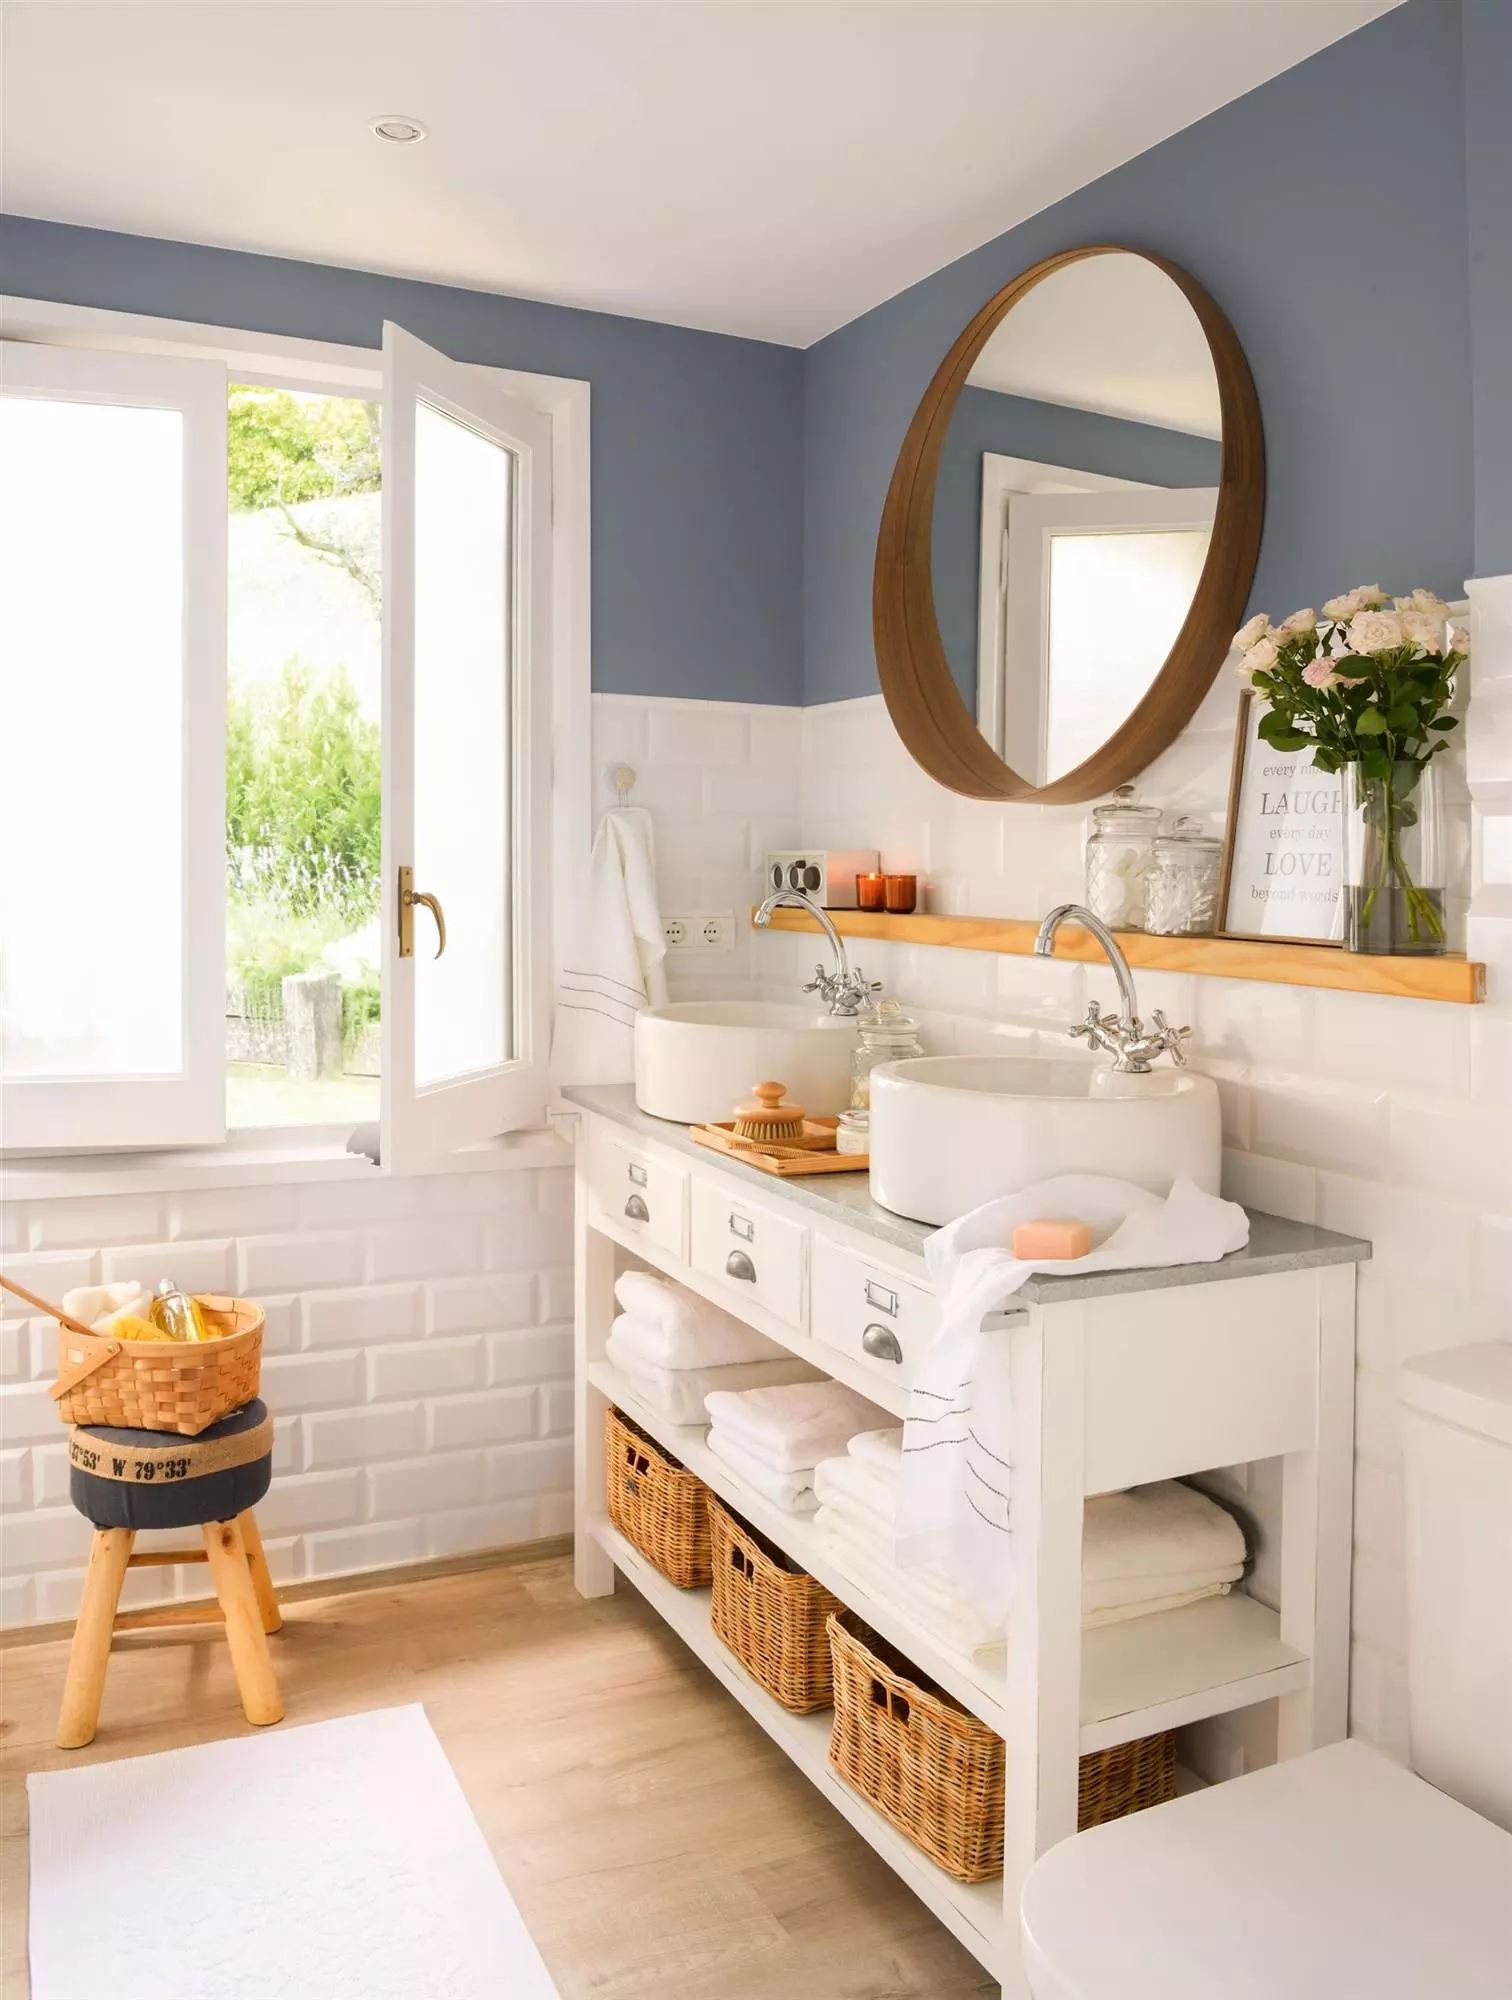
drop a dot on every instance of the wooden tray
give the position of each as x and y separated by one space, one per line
814 1153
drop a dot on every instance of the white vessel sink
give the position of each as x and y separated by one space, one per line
697 1059
950 1132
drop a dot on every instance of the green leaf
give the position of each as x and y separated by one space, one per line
1445 722
1371 723
1403 716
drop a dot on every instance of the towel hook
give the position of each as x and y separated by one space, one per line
620 779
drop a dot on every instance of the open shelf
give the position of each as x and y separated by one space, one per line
1140 1676
973 1913
1451 978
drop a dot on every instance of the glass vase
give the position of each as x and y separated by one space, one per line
1394 860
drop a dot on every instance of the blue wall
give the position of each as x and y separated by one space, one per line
1488 153
1022 427
1326 213
697 446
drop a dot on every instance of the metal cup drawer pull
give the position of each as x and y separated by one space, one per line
739 1265
881 1343
742 1227
880 1299
637 1210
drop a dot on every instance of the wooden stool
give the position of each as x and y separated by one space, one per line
128 1480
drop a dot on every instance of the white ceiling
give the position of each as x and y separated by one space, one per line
766 167
1113 334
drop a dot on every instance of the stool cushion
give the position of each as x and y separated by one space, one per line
121 1478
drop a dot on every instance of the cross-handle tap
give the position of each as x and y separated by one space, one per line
846 990
1124 1037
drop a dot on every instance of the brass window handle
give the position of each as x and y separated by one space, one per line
409 896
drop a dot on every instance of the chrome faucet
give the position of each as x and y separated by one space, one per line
846 990
1124 1037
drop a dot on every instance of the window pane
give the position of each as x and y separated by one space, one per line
463 671
1117 602
91 714
303 770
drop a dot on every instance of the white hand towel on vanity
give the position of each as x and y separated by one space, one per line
954 1487
615 967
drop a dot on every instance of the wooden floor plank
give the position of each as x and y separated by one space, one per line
656 1842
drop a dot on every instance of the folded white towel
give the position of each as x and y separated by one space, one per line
1121 1614
97 1306
678 1393
682 1330
853 1482
1154 1532
954 1490
1140 1595
882 1450
943 1615
793 1491
792 1428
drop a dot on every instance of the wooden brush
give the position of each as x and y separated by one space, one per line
767 1120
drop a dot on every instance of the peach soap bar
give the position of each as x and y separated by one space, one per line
1045 1242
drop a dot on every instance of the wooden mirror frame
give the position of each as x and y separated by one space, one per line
922 698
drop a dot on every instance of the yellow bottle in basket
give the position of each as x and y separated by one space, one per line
177 1314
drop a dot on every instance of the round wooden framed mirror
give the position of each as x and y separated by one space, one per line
1070 534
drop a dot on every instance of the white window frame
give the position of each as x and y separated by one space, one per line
1002 477
187 1105
289 361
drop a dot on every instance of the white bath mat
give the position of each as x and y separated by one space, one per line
339 1861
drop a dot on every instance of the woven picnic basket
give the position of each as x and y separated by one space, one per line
162 1385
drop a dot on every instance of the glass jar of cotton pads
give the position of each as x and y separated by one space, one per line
1120 860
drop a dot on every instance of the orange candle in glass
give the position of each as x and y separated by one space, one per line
871 892
901 894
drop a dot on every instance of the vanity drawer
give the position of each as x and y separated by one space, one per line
751 1250
868 1311
641 1193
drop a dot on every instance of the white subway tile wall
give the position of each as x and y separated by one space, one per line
417 1360
1381 1117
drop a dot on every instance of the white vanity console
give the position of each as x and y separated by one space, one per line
1118 1379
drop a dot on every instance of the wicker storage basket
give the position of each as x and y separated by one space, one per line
162 1385
657 1503
937 1772
770 1614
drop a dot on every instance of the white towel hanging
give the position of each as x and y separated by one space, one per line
615 966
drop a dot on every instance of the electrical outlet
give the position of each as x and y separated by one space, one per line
711 932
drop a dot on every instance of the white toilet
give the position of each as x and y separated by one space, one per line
1338 1875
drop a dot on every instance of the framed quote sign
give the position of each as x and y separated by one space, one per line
1283 849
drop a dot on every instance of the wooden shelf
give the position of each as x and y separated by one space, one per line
1145 1674
972 1912
1451 978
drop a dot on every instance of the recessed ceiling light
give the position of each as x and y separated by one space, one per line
399 131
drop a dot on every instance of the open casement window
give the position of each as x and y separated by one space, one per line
466 748
1097 585
112 724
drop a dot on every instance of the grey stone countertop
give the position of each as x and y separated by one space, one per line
1275 1244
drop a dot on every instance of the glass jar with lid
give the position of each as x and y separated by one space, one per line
1120 858
884 1035
1183 891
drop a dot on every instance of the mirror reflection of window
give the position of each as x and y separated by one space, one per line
1116 604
